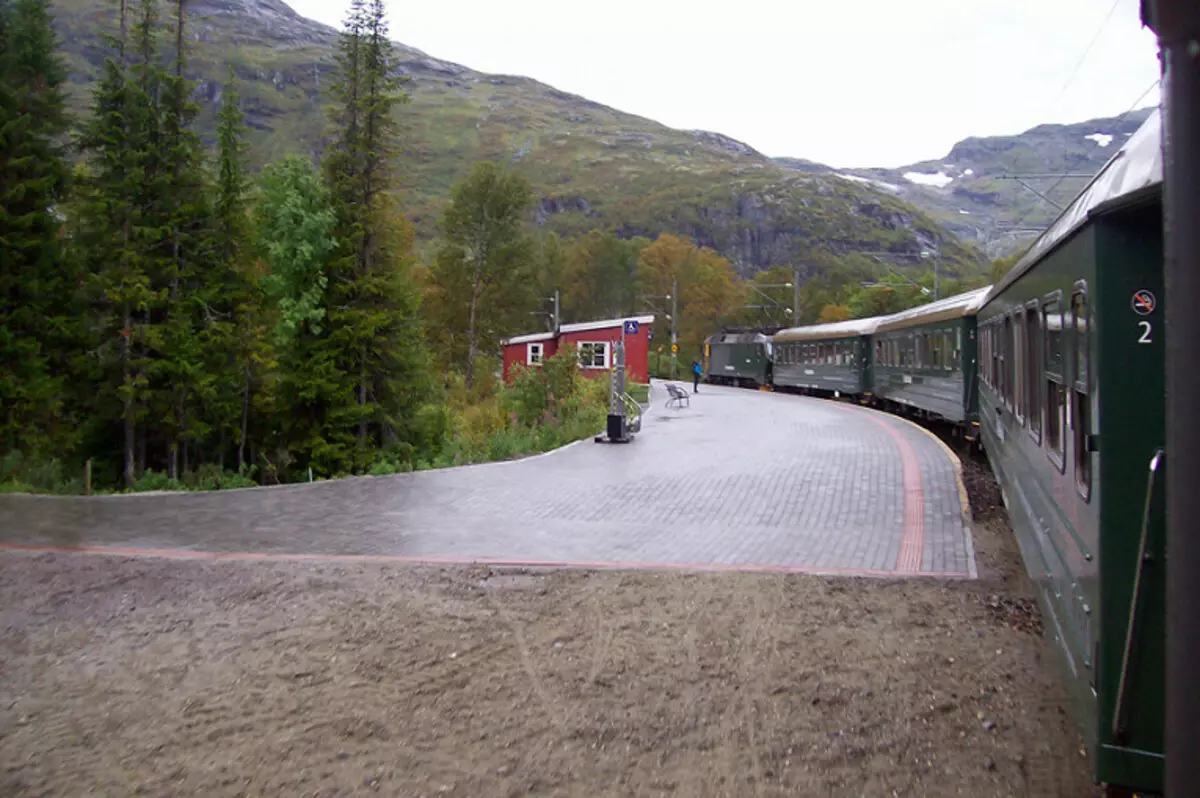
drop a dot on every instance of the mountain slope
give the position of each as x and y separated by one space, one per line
592 165
971 192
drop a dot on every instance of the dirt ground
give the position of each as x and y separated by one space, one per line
160 677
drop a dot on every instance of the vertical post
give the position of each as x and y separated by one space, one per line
796 298
674 329
1177 23
87 477
556 317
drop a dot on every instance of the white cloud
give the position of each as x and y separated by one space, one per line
1101 139
806 79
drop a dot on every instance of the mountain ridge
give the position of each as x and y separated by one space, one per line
973 190
592 165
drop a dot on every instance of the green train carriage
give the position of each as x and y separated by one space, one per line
925 359
825 358
1072 419
738 358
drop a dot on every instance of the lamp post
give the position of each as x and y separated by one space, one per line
673 298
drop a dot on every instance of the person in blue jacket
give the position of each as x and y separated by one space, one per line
697 370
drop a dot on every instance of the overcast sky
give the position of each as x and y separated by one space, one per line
844 82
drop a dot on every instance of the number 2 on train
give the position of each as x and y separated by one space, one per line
1145 339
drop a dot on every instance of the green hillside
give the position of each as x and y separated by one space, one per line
593 166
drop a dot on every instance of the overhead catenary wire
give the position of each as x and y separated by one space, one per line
1120 118
1086 52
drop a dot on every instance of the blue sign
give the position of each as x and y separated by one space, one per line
631 327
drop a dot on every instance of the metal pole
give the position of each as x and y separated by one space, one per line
674 329
556 317
1177 23
796 298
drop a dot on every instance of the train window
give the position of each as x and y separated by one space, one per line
1033 368
958 348
1019 366
1081 410
1056 392
1005 377
995 358
1079 315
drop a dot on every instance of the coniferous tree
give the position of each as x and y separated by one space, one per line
107 224
37 283
374 309
249 345
192 363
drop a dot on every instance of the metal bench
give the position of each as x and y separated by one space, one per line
678 395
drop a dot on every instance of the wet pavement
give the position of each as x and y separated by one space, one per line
740 479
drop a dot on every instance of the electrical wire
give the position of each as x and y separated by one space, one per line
1063 176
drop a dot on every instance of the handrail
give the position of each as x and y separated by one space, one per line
632 408
1118 723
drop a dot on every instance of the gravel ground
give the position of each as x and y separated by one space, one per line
181 678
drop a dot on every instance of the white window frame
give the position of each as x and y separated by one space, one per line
537 350
607 353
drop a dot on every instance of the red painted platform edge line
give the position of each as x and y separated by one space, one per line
912 540
190 554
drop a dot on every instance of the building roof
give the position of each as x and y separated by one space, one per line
952 307
583 326
531 338
837 329
1135 169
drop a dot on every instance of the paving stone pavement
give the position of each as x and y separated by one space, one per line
740 479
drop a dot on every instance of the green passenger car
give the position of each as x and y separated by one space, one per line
738 358
1072 418
925 358
825 358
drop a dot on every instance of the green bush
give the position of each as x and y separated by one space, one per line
21 475
155 480
212 477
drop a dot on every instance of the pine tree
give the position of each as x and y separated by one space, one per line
193 363
106 224
37 283
250 345
374 314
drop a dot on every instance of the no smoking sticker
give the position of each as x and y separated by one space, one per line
1144 303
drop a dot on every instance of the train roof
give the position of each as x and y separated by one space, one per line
1135 171
738 338
820 332
952 307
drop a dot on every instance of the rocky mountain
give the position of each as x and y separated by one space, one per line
990 190
593 166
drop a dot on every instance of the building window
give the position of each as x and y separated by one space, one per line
533 354
1081 412
1056 392
1033 369
593 354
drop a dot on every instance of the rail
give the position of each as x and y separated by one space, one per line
1118 722
633 411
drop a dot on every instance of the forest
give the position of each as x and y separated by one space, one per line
171 320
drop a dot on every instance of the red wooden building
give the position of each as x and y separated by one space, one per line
593 340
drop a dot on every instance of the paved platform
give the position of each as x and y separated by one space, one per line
739 480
